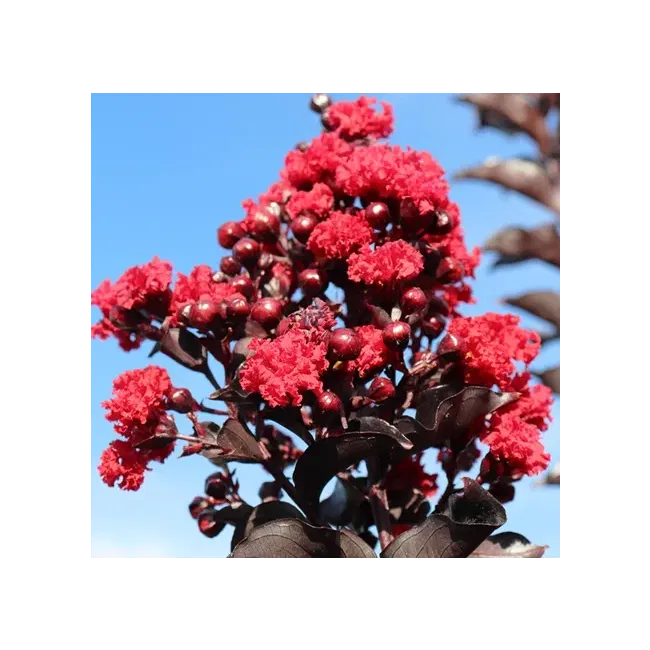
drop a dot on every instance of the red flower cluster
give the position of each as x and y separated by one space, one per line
138 411
356 120
142 289
373 226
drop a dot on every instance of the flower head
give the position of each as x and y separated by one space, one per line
340 236
358 119
318 201
386 265
283 369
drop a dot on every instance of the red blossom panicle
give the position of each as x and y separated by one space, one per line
317 201
144 288
374 355
358 119
385 172
409 474
282 370
138 400
489 346
318 163
198 285
340 236
121 463
386 265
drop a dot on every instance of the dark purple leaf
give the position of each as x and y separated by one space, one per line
511 112
523 176
551 378
543 304
271 511
233 442
471 516
184 347
517 244
508 545
329 456
297 539
291 419
372 425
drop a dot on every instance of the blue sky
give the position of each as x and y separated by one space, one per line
167 170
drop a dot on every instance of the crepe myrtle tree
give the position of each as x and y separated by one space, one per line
537 178
335 318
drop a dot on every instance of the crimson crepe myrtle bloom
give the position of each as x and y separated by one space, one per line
334 312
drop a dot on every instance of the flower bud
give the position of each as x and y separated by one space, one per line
377 215
265 226
432 325
319 102
444 223
267 312
244 285
207 524
180 400
344 344
217 486
247 251
203 314
381 389
396 335
229 234
198 505
237 308
413 300
329 402
229 265
312 282
450 343
302 227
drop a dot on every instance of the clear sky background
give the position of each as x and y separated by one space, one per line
167 170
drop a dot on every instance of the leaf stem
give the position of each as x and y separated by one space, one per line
381 515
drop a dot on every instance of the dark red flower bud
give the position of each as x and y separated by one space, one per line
244 285
229 265
444 222
267 312
381 389
413 300
237 308
302 227
396 335
326 121
492 469
344 344
217 486
449 343
207 524
433 325
302 146
247 251
266 261
312 282
319 102
265 226
377 215
229 234
502 492
198 505
329 402
181 400
203 314
449 271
